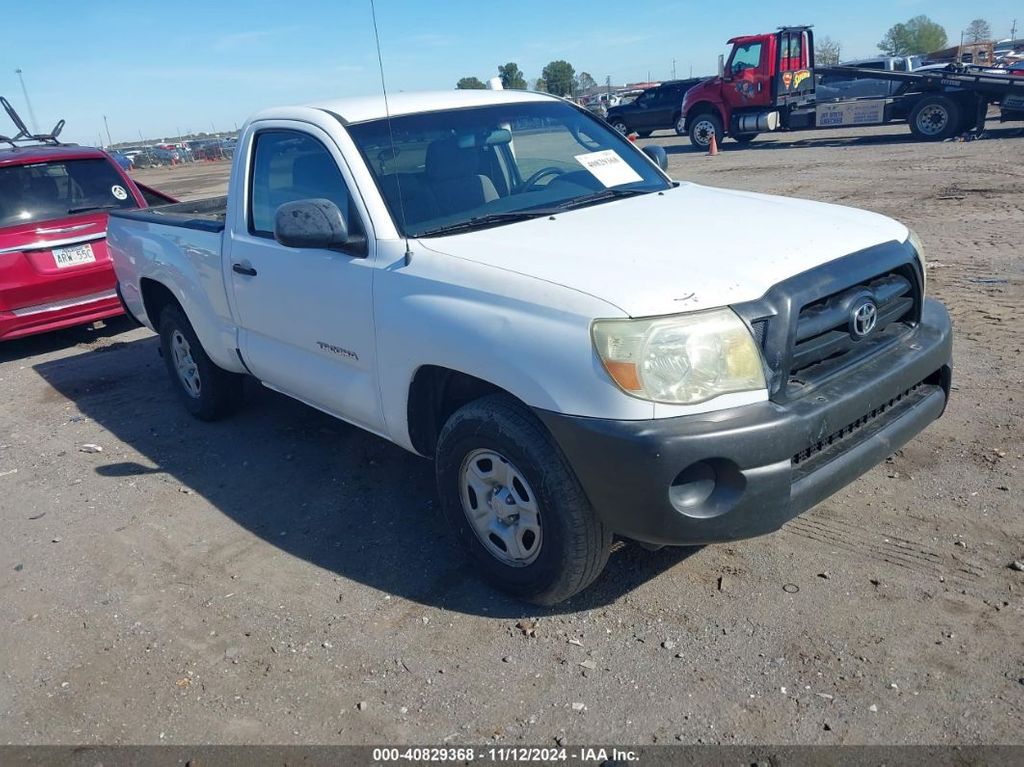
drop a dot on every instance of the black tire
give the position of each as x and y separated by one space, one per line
702 127
935 118
573 544
618 124
679 125
745 138
219 392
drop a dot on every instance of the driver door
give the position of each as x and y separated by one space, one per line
305 315
746 80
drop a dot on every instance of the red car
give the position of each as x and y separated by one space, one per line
55 271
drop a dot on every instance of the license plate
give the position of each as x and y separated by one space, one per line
76 254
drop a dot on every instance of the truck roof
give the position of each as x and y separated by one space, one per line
361 109
25 155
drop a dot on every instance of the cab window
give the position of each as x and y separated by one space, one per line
289 166
746 57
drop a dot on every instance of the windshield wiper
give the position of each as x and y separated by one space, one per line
490 219
87 208
478 222
603 196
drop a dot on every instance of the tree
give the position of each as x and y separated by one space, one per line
470 83
978 31
826 52
585 81
511 77
540 85
559 77
919 35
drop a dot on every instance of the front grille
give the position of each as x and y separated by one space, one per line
829 335
834 440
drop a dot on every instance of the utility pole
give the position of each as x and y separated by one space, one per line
109 140
24 90
673 69
608 84
1013 30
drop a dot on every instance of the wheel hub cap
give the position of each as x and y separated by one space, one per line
188 371
501 507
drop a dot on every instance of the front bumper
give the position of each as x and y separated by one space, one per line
746 471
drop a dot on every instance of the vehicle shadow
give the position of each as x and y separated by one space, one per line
80 335
321 490
842 139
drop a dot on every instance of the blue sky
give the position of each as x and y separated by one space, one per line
157 68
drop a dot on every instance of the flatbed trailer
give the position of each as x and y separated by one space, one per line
770 83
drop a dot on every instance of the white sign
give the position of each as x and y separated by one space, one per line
608 168
119 192
861 112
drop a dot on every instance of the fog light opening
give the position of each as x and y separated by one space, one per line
707 488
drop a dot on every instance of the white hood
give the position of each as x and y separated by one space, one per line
690 248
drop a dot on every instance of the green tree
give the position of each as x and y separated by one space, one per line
919 35
585 81
826 52
470 83
978 31
540 85
559 77
511 77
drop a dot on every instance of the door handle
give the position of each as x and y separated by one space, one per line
243 269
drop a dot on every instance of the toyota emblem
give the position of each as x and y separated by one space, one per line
864 319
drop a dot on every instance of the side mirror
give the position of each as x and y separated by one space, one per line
310 224
657 154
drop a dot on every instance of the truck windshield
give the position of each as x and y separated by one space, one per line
456 170
48 190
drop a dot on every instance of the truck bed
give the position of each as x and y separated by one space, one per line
206 214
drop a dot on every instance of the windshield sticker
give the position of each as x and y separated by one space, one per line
608 168
119 192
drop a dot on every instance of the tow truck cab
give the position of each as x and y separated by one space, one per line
763 74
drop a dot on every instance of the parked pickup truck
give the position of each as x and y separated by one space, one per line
500 281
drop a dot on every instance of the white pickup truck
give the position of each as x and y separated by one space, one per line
501 282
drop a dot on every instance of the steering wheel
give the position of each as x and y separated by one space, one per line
531 182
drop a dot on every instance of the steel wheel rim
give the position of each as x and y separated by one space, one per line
620 127
932 120
185 365
703 131
501 508
681 125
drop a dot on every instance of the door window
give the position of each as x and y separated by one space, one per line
746 57
289 166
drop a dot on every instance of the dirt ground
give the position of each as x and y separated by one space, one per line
281 577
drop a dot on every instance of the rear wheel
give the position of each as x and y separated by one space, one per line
620 126
513 501
680 125
703 128
935 118
207 391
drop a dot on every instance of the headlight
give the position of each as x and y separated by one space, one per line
683 359
918 246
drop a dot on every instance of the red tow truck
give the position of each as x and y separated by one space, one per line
769 83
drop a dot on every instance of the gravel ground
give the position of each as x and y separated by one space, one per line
281 577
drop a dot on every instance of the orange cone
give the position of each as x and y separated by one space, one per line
713 146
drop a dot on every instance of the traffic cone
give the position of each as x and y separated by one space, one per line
713 146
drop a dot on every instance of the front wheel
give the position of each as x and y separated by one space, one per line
513 501
703 128
207 391
935 118
620 126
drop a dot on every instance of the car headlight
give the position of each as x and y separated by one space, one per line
918 246
682 359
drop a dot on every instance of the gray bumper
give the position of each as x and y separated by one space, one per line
746 471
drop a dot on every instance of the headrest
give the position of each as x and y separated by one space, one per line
445 161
